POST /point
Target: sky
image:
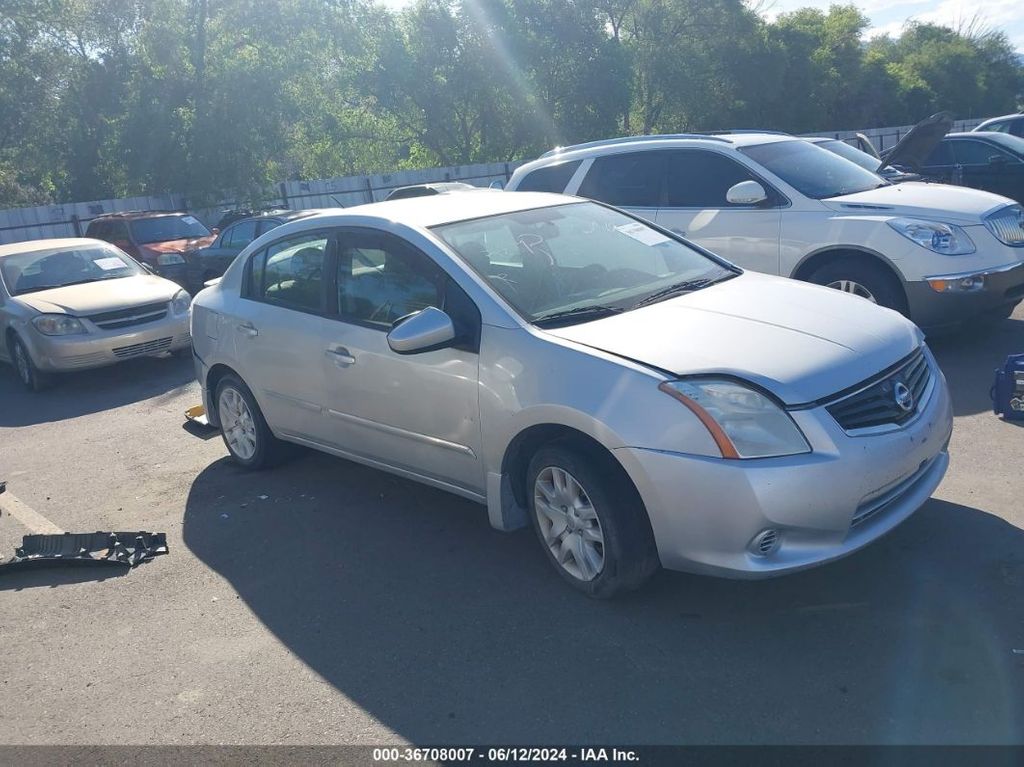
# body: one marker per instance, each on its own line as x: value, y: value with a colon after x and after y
x: 889, y: 16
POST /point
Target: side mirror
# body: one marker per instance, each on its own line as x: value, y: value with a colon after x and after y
x: 215, y: 231
x: 997, y: 159
x: 425, y: 330
x: 746, y: 193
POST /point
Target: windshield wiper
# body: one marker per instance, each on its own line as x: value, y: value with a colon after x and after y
x: 682, y: 287
x: 580, y: 313
x: 36, y: 288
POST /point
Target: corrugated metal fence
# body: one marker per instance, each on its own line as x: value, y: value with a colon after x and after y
x: 71, y: 220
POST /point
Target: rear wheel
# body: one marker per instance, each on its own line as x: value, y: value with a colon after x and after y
x: 593, y: 528
x: 864, y: 279
x: 246, y: 435
x: 30, y: 376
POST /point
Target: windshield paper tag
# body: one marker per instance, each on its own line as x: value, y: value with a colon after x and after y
x: 109, y: 263
x: 190, y: 220
x: 642, y: 233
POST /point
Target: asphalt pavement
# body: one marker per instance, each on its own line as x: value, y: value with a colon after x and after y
x: 325, y: 602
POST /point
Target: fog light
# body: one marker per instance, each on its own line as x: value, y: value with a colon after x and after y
x: 765, y: 543
x: 965, y: 284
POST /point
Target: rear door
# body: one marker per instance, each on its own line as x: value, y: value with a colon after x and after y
x: 275, y: 336
x: 696, y: 207
x: 633, y: 181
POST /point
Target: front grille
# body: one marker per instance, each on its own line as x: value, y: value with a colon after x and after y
x: 876, y: 403
x: 1007, y: 225
x: 150, y: 347
x: 887, y: 497
x: 126, y: 318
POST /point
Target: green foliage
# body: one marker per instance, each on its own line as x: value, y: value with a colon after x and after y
x: 109, y: 98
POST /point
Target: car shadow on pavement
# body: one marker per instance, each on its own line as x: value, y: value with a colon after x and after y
x: 90, y: 391
x: 446, y: 631
x: 970, y: 356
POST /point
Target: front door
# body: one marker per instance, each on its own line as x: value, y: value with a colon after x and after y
x: 696, y: 207
x: 415, y: 412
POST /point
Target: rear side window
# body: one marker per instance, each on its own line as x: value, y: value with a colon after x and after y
x: 942, y: 154
x: 240, y: 235
x: 291, y: 272
x: 700, y: 179
x: 553, y: 178
x: 1003, y: 127
x: 97, y: 230
x: 975, y: 152
x: 631, y: 179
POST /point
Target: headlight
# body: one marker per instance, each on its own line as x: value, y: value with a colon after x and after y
x: 58, y: 325
x: 181, y: 302
x: 947, y: 239
x: 169, y: 259
x: 743, y: 422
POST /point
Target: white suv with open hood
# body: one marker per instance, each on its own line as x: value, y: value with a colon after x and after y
x: 778, y: 204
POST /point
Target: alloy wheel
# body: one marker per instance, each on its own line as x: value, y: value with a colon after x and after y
x: 569, y: 523
x: 850, y: 286
x: 21, y: 362
x: 237, y: 423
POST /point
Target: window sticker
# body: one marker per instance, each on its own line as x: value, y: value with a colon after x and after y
x: 190, y: 219
x: 642, y: 233
x: 110, y: 263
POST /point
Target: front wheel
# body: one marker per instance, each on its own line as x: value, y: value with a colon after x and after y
x: 593, y: 528
x: 246, y: 435
x: 30, y: 376
x: 864, y: 279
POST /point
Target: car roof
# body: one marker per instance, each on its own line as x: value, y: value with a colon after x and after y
x: 129, y: 214
x: 31, y: 246
x: 736, y: 138
x: 448, y: 208
x: 989, y: 121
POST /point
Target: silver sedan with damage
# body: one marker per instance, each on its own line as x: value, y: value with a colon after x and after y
x: 636, y: 399
x: 70, y: 304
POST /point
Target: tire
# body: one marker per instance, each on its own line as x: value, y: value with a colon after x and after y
x: 266, y: 450
x: 26, y: 370
x: 881, y: 285
x: 627, y: 551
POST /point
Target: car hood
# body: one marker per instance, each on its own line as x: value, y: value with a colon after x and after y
x: 101, y: 296
x: 943, y: 202
x: 180, y: 246
x: 799, y: 341
x: 912, y: 150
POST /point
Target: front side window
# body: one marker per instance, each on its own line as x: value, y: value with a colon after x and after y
x: 976, y: 152
x: 291, y: 272
x: 1003, y: 127
x: 811, y: 170
x: 564, y: 263
x: 240, y: 235
x: 629, y: 180
x: 59, y: 267
x: 698, y: 178
x: 381, y: 280
x: 166, y: 228
x: 552, y: 178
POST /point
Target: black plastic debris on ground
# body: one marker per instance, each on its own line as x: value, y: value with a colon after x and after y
x: 126, y: 549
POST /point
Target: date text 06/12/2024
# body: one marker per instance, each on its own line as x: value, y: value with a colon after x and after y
x: 501, y: 754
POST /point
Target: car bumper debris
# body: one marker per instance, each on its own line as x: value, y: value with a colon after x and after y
x: 126, y: 549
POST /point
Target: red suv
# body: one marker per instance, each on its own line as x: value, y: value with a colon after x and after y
x: 158, y: 239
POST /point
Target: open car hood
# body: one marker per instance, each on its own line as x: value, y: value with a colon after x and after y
x: 912, y: 150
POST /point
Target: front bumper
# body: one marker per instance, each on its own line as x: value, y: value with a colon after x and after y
x: 1003, y: 287
x: 99, y: 348
x: 706, y: 512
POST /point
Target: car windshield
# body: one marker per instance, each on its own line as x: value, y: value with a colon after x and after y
x: 164, y: 228
x: 813, y: 171
x: 58, y: 267
x: 574, y: 262
x: 851, y: 153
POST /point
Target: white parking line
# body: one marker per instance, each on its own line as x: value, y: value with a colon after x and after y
x: 27, y: 516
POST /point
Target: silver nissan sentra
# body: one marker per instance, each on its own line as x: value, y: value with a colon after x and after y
x: 636, y: 399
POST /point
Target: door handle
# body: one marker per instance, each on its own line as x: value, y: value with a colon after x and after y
x: 341, y: 356
x: 248, y: 329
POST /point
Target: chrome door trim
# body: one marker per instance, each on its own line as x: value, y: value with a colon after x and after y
x: 396, y: 431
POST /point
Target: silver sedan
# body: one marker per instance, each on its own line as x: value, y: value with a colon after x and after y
x: 70, y: 304
x: 636, y: 399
